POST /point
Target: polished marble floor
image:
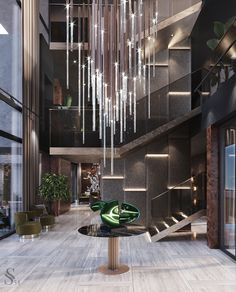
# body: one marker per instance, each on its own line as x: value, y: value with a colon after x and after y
x: 63, y: 260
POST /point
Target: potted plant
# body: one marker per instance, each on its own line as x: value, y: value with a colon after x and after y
x: 53, y: 189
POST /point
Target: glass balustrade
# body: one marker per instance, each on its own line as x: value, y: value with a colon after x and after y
x: 179, y: 202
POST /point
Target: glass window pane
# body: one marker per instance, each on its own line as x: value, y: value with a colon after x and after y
x: 10, y: 48
x: 229, y: 192
x: 10, y: 183
x: 10, y: 120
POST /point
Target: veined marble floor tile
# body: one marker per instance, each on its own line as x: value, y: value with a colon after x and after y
x: 203, y: 269
x: 72, y: 279
x: 63, y: 260
x: 209, y: 286
x: 159, y: 280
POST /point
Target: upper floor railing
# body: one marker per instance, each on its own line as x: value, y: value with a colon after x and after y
x: 167, y: 103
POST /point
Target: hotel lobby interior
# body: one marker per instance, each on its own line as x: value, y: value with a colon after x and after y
x: 118, y: 145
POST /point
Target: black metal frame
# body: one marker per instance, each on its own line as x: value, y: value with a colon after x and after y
x: 10, y: 101
x: 13, y: 103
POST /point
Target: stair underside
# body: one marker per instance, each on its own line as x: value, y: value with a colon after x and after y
x: 178, y: 225
x: 164, y: 129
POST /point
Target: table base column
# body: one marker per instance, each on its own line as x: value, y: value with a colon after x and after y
x: 113, y: 267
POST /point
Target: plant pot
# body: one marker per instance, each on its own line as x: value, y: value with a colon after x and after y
x: 56, y: 207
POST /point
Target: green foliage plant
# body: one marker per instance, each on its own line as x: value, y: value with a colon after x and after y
x: 54, y: 187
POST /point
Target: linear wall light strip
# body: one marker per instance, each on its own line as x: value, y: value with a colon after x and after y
x: 135, y: 190
x: 156, y: 155
x: 179, y: 188
x: 158, y: 65
x: 113, y: 177
x: 205, y: 93
x: 187, y: 93
x: 179, y: 48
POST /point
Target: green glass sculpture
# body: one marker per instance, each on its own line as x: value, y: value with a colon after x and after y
x: 113, y: 214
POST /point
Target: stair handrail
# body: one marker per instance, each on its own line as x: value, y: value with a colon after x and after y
x: 172, y: 188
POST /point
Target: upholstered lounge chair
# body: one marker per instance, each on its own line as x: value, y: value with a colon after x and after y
x: 46, y: 220
x: 26, y: 228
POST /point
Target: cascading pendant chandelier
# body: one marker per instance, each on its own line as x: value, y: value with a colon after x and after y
x: 114, y: 61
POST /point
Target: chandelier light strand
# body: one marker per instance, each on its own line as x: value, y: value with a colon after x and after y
x: 115, y: 55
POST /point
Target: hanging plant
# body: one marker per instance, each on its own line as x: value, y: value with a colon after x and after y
x: 220, y: 29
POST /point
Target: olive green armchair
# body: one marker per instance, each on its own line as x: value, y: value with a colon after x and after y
x: 25, y: 227
x: 47, y: 221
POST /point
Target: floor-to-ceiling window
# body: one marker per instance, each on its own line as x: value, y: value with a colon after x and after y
x: 228, y: 192
x: 10, y: 114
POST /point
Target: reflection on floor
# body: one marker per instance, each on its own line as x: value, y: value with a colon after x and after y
x: 231, y: 250
x: 63, y: 260
x: 5, y: 232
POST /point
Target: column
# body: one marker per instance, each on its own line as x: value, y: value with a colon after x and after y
x: 30, y: 27
x: 212, y: 187
x: 113, y: 253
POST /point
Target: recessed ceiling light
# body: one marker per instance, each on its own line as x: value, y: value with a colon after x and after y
x: 172, y: 35
x: 2, y: 29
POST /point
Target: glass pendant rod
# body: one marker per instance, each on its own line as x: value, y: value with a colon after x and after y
x: 104, y: 139
x: 149, y: 78
x: 135, y: 106
x: 94, y: 100
x: 79, y: 77
x: 71, y: 25
x: 67, y: 41
x: 83, y: 105
x: 89, y: 76
x: 112, y: 146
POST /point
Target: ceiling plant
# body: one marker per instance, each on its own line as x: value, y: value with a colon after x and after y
x: 219, y: 29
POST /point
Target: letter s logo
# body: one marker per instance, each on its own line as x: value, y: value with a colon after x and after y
x: 11, y: 278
